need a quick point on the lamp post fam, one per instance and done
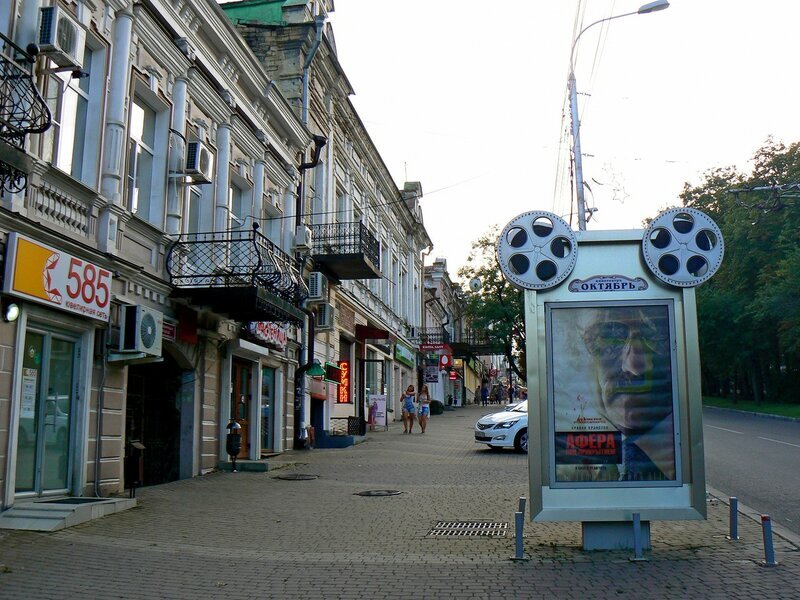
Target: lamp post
(573, 104)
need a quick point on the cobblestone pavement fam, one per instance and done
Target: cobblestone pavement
(253, 535)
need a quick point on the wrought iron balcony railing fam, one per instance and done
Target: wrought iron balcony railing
(234, 259)
(432, 335)
(346, 250)
(22, 111)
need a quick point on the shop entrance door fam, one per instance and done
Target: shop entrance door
(241, 396)
(267, 409)
(46, 420)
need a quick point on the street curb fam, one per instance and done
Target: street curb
(754, 414)
(751, 513)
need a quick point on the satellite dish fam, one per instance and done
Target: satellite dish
(475, 284)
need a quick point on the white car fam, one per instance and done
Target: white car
(505, 429)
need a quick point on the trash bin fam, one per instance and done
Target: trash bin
(233, 441)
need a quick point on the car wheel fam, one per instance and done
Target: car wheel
(521, 441)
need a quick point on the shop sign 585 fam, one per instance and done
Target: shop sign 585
(43, 274)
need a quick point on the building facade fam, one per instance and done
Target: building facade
(188, 225)
(367, 236)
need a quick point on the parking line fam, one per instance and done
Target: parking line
(779, 442)
(723, 429)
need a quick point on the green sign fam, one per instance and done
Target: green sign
(404, 354)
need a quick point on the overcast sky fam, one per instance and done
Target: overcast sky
(467, 98)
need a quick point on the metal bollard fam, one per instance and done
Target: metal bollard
(637, 538)
(734, 518)
(519, 520)
(522, 504)
(769, 551)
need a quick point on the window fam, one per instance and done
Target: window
(76, 106)
(147, 157)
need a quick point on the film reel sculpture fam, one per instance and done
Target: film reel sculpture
(537, 250)
(682, 247)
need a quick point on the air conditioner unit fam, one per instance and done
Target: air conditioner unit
(325, 315)
(317, 287)
(302, 238)
(61, 37)
(140, 330)
(199, 162)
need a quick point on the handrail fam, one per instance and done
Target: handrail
(234, 258)
(345, 238)
(23, 110)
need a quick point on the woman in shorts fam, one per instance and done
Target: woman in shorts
(409, 410)
(424, 399)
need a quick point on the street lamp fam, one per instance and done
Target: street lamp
(573, 104)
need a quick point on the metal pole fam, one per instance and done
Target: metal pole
(769, 551)
(519, 520)
(637, 537)
(734, 518)
(522, 504)
(576, 151)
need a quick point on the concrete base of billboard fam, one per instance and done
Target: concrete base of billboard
(613, 535)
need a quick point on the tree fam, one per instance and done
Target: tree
(749, 312)
(496, 309)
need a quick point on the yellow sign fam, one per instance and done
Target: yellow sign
(43, 274)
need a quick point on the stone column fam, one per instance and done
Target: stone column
(113, 168)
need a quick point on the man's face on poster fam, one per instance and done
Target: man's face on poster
(630, 347)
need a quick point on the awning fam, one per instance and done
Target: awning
(367, 332)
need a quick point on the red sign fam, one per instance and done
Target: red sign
(344, 387)
(429, 347)
(168, 331)
(453, 375)
(445, 361)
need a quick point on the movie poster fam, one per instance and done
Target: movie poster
(613, 395)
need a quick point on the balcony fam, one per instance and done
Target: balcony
(345, 251)
(432, 335)
(475, 343)
(237, 273)
(22, 111)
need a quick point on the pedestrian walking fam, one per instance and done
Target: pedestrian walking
(424, 399)
(409, 409)
(485, 394)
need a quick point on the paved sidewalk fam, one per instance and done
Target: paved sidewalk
(253, 535)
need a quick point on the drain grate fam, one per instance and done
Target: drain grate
(379, 493)
(468, 529)
(297, 477)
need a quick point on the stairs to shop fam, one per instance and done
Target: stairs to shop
(59, 513)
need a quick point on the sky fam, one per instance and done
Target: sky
(469, 98)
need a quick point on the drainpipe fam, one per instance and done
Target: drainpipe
(319, 23)
(300, 381)
(307, 347)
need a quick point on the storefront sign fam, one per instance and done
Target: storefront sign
(54, 278)
(344, 386)
(608, 283)
(431, 374)
(430, 347)
(168, 331)
(333, 374)
(404, 354)
(272, 334)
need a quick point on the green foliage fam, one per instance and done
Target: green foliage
(749, 312)
(497, 308)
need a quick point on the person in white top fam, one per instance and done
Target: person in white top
(424, 399)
